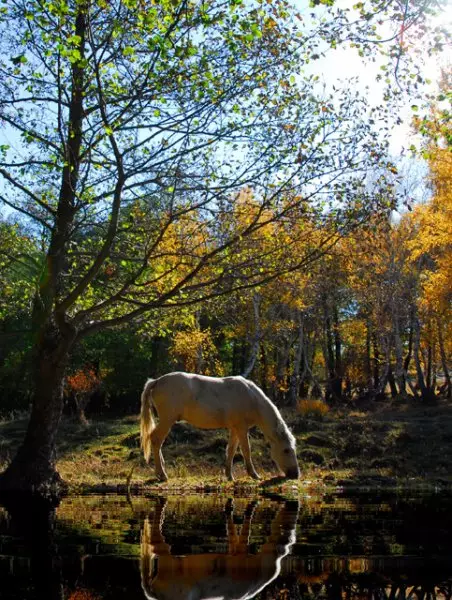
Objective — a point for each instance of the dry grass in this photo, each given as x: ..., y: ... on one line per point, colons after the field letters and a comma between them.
x: 383, y: 447
x: 312, y: 408
x: 108, y: 454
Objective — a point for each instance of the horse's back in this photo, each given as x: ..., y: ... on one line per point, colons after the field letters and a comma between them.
x: 203, y: 401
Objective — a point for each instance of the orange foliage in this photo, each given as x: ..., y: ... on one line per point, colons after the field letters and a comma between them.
x: 83, y: 594
x: 196, y: 351
x: 312, y: 408
x: 83, y: 381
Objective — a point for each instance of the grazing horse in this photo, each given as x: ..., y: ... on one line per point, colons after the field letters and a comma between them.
x: 233, y: 403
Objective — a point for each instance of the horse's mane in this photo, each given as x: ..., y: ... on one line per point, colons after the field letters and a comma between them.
x: 282, y: 432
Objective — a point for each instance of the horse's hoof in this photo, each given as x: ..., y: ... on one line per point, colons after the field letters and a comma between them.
x: 162, y: 478
x: 255, y: 476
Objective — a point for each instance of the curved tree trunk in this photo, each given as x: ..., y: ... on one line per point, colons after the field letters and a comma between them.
x: 33, y: 467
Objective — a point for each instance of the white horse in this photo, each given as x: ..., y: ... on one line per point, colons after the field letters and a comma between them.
x: 233, y: 403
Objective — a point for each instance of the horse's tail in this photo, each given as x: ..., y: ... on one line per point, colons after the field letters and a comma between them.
x: 147, y: 423
x: 147, y: 560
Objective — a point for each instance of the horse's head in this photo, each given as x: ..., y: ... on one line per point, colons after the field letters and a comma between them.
x: 284, y: 454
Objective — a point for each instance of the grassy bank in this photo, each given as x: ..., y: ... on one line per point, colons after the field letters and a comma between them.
x: 383, y: 446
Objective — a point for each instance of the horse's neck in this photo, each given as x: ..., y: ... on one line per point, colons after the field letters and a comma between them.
x: 270, y: 421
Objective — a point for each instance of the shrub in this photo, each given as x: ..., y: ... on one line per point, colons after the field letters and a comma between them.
x: 314, y: 408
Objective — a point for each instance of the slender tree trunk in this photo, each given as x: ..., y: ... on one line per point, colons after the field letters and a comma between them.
x: 81, y: 402
x: 426, y: 393
x: 399, y: 371
x: 256, y: 338
x: 328, y: 356
x: 282, y: 370
x: 409, y: 354
x: 235, y: 358
x: 368, y: 360
x: 392, y: 383
x: 264, y: 369
x: 332, y: 356
x: 376, y: 362
x: 442, y: 353
x: 428, y: 377
x: 242, y: 357
x: 305, y: 378
x: 337, y: 381
x: 298, y: 356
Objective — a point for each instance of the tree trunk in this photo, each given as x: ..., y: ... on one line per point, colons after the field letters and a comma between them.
x: 337, y: 382
x: 81, y: 402
x: 409, y: 354
x: 398, y: 347
x: 426, y: 393
x: 282, y: 364
x: 328, y: 356
x: 444, y: 360
x: 392, y: 383
x: 429, y: 374
x: 298, y: 359
x: 332, y: 356
x: 254, y: 353
x: 376, y: 362
x: 264, y: 370
x: 368, y: 360
x: 33, y: 467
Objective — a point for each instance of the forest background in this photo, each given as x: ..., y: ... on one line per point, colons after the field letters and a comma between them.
x: 183, y: 194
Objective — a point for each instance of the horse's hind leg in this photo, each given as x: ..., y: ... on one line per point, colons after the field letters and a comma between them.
x: 158, y: 436
x: 245, y: 447
x: 230, y: 452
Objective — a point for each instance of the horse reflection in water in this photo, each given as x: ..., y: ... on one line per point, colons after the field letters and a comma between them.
x: 237, y: 575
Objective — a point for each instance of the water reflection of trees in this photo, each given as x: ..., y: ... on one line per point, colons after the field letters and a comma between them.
x: 363, y: 586
x: 93, y: 545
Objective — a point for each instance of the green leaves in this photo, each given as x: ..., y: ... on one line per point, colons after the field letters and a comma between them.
x: 314, y: 3
x: 21, y: 59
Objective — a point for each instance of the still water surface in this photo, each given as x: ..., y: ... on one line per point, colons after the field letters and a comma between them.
x: 210, y: 547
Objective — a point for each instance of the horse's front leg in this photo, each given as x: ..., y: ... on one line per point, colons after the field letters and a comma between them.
x: 158, y: 436
x: 245, y: 447
x: 230, y: 453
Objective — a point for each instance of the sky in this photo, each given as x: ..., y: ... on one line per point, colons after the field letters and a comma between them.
x: 343, y: 63
x: 339, y: 65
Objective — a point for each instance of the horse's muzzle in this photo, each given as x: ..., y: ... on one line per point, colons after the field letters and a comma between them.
x: 293, y: 474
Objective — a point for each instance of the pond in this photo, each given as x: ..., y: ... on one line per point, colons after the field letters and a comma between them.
x: 341, y: 546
